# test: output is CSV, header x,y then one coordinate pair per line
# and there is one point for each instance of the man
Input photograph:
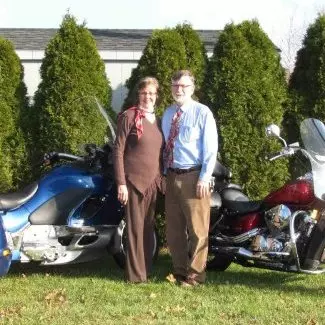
x,y
190,154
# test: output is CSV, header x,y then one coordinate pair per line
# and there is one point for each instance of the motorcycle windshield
x,y
312,133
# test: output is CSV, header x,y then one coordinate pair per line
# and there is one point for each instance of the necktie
x,y
173,133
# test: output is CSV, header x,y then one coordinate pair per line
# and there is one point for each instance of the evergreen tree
x,y
164,54
196,56
72,74
307,82
13,103
247,91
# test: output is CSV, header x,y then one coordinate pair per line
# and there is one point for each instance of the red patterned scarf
x,y
139,115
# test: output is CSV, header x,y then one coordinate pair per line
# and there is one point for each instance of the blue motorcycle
x,y
5,253
70,215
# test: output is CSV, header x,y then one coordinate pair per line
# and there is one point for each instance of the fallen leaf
x,y
56,296
152,314
174,309
179,308
10,312
170,278
312,322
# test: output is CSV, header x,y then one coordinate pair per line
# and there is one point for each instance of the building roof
x,y
107,39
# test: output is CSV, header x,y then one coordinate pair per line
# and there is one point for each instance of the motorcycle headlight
x,y
6,252
277,218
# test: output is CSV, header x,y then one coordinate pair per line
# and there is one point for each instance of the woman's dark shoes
x,y
189,282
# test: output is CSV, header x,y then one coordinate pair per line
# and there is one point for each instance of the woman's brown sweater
x,y
137,161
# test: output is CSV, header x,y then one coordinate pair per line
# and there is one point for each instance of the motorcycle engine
x,y
40,244
277,219
264,243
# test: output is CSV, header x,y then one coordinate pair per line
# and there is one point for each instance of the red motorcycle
x,y
286,230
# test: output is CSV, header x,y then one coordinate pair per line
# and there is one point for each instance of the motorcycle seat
x,y
220,186
242,207
9,201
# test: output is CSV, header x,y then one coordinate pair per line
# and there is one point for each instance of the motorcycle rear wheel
x,y
120,256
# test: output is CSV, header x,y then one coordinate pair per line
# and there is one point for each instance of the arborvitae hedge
x,y
247,89
13,102
307,82
196,56
71,69
164,54
167,51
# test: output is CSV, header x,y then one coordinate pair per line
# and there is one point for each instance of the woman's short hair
x,y
143,83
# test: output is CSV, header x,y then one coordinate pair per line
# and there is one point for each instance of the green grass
x,y
95,293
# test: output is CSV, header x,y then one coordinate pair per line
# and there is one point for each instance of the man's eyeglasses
x,y
176,86
143,93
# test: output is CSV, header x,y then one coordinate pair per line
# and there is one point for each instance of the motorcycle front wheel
x,y
218,262
120,256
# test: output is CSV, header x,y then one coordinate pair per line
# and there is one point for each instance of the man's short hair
x,y
182,73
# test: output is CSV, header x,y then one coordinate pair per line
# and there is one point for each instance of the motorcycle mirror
x,y
272,130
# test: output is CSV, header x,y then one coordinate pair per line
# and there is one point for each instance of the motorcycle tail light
x,y
278,217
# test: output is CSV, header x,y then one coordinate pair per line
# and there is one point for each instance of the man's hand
x,y
202,189
122,194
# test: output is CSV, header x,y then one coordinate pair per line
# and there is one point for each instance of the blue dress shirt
x,y
197,140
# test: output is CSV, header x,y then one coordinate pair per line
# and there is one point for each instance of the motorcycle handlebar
x,y
51,157
68,156
287,151
94,155
273,156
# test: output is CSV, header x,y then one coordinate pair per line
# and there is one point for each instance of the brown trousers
x,y
140,221
187,225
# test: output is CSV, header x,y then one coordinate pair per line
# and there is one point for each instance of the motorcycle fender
x,y
5,253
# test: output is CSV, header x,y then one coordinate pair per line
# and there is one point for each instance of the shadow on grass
x,y
257,278
100,268
235,275
104,267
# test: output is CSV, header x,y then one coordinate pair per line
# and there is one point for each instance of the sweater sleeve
x,y
123,129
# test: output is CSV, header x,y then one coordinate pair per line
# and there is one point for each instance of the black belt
x,y
184,171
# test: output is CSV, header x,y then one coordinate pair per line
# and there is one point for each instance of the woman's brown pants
x,y
140,222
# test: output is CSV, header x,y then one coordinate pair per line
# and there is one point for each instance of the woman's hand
x,y
122,194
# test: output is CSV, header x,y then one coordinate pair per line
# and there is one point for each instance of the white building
x,y
120,50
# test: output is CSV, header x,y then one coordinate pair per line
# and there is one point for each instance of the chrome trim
x,y
319,271
294,236
277,254
242,237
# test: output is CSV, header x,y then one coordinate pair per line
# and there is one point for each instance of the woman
x,y
137,156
